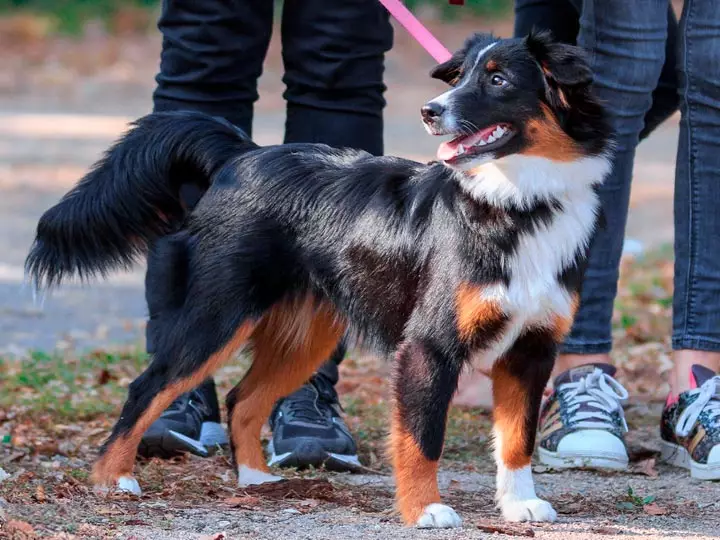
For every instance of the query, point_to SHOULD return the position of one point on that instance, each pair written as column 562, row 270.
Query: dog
column 478, row 254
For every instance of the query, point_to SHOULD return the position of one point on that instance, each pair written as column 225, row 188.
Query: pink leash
column 417, row 30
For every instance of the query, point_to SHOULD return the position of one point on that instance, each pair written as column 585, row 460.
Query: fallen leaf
column 20, row 530
column 40, row 494
column 247, row 500
column 86, row 529
column 504, row 528
column 654, row 509
column 605, row 530
column 109, row 511
column 217, row 536
column 104, row 377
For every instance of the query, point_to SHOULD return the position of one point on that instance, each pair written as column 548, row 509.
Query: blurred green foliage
column 70, row 16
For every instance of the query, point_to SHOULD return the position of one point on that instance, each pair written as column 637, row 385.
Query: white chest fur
column 534, row 295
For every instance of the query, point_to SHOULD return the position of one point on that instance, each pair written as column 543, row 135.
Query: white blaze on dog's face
column 517, row 97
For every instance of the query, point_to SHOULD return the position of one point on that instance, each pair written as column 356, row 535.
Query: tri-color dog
column 478, row 254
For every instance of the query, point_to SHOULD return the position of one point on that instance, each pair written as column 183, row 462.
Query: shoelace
column 708, row 398
column 599, row 391
column 313, row 402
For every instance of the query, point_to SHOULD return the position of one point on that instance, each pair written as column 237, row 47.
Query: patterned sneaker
column 582, row 422
column 190, row 424
column 690, row 427
column 309, row 431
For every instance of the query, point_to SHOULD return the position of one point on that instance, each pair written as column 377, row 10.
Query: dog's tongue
column 448, row 149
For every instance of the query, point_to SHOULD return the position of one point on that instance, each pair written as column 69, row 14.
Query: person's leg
column 690, row 427
column 665, row 100
column 334, row 62
column 626, row 46
column 561, row 17
column 696, row 317
column 212, row 56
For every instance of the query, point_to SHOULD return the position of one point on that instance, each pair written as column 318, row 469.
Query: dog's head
column 516, row 96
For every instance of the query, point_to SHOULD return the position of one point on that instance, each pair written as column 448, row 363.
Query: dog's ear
column 564, row 64
column 450, row 71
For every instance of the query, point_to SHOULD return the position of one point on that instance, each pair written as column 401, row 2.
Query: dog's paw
column 253, row 477
column 438, row 516
column 128, row 484
column 514, row 509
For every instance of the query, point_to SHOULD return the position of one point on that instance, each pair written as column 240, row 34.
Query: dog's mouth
column 480, row 142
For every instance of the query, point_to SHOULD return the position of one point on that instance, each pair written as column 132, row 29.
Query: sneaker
column 582, row 422
column 307, row 430
column 690, row 427
column 190, row 424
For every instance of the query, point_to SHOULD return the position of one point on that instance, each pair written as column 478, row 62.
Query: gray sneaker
column 308, row 430
column 582, row 423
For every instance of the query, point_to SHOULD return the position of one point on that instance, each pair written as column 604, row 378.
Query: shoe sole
column 676, row 455
column 310, row 454
column 170, row 443
column 558, row 460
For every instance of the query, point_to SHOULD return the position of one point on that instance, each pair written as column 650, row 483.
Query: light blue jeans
column 626, row 42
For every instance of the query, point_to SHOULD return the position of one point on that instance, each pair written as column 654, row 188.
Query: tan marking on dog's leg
column 561, row 326
column 279, row 367
column 475, row 313
column 119, row 457
column 415, row 475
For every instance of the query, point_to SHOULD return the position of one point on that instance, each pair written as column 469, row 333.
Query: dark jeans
column 645, row 64
column 333, row 53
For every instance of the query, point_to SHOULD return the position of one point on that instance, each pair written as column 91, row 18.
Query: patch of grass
column 68, row 386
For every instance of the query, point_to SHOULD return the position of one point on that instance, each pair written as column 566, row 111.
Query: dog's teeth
column 482, row 143
column 498, row 132
column 490, row 139
column 460, row 150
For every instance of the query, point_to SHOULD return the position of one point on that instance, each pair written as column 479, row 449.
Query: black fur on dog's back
column 131, row 196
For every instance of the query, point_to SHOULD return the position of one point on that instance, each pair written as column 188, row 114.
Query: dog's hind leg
column 424, row 383
column 289, row 343
column 519, row 378
column 181, row 363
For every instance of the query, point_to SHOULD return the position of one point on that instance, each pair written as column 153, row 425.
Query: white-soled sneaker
column 582, row 423
column 690, row 427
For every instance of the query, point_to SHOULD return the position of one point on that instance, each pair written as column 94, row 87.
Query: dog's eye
column 497, row 80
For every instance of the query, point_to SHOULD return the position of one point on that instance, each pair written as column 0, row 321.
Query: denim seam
column 695, row 343
column 689, row 289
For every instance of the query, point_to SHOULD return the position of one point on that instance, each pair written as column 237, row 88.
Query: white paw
column 514, row 509
column 129, row 485
column 438, row 516
column 253, row 477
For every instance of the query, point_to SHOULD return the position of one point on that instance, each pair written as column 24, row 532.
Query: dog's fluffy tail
column 131, row 196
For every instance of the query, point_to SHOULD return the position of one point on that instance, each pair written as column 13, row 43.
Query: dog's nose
column 431, row 111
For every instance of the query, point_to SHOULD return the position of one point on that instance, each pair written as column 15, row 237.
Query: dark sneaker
column 309, row 431
column 690, row 427
column 582, row 423
column 190, row 424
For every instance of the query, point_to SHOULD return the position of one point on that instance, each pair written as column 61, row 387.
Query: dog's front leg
column 424, row 383
column 519, row 378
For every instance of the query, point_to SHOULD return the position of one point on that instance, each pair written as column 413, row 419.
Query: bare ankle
column 681, row 379
column 565, row 362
